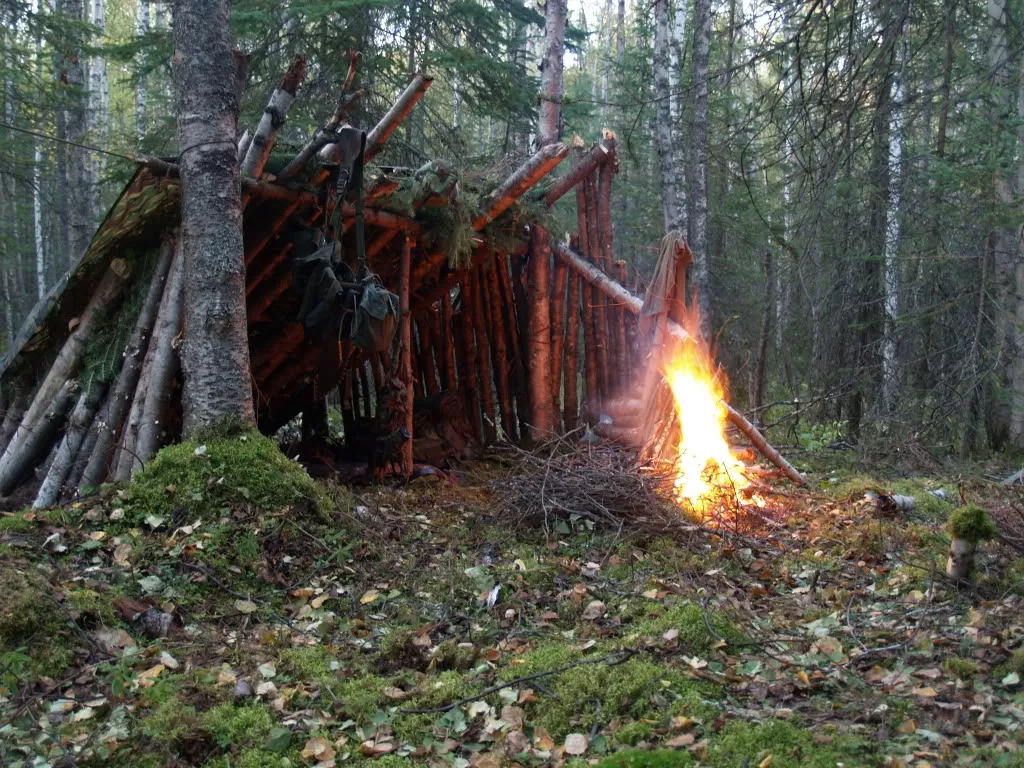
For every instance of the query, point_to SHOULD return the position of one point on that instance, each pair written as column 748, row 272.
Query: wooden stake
column 605, row 373
column 447, row 345
column 557, row 338
column 483, row 354
column 522, row 320
column 571, row 407
column 428, row 367
column 499, row 348
column 606, row 239
column 405, row 350
column 468, row 369
column 623, row 359
column 64, row 369
column 539, row 339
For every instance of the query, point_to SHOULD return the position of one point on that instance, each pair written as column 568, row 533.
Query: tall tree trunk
column 672, row 214
column 99, row 101
column 551, row 87
column 37, row 182
column 1017, row 373
column 677, row 103
column 698, row 176
column 142, row 89
column 215, row 352
column 890, row 380
column 1004, row 248
column 77, row 186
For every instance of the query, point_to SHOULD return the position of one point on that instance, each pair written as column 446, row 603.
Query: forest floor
column 365, row 632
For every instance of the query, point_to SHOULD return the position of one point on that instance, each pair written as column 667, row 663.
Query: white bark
column 698, row 177
column 457, row 88
column 1017, row 414
column 99, row 101
column 892, row 239
column 37, row 181
column 663, row 133
column 142, row 90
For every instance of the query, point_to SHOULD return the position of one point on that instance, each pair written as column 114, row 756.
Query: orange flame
column 707, row 474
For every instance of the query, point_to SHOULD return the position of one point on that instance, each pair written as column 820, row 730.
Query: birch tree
column 698, row 176
column 672, row 214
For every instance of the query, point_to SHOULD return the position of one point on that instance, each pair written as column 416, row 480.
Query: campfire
column 707, row 473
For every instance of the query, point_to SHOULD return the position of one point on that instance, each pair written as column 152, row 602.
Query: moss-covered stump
column 205, row 475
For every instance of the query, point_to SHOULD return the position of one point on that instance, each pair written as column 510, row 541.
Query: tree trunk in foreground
column 551, row 88
column 215, row 352
column 698, row 176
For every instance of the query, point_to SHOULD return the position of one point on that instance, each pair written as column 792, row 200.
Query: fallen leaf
column 318, row 601
column 369, row 596
column 245, row 606
column 926, row 692
column 147, row 679
column 373, row 748
column 907, row 726
column 514, row 716
column 575, row 744
column 168, row 661
column 684, row 740
column 542, row 739
column 267, row 669
column 318, row 748
column 594, row 611
column 396, row 693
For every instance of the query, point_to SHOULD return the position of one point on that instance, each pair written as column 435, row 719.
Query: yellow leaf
column 316, row 602
column 766, row 762
column 907, row 726
column 542, row 739
column 318, row 748
column 927, row 692
column 369, row 596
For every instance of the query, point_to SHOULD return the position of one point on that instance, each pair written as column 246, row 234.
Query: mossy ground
column 829, row 640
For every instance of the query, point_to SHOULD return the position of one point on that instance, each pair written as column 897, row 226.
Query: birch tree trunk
column 215, row 352
column 699, row 161
column 678, row 102
column 99, row 100
column 37, row 180
column 672, row 215
column 551, row 87
column 1017, row 413
column 890, row 277
column 142, row 89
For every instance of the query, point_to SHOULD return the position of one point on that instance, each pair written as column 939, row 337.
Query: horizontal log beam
column 262, row 189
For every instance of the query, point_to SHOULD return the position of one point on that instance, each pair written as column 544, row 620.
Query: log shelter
column 508, row 334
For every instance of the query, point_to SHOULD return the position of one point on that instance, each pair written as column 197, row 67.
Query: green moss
column 788, row 745
column 542, row 658
column 207, row 475
column 961, row 668
column 89, row 602
column 659, row 758
column 973, row 524
column 688, row 619
column 172, row 721
column 308, row 663
column 237, row 726
column 16, row 524
column 361, row 697
column 623, row 690
column 26, row 607
column 442, row 689
column 1013, row 664
column 634, row 733
column 254, row 757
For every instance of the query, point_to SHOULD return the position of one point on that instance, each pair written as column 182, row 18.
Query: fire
column 708, row 474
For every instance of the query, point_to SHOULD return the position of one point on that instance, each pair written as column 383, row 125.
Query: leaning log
column 74, row 434
column 535, row 169
column 272, row 119
column 499, row 347
column 12, row 418
column 65, row 367
column 111, row 418
column 162, row 363
column 586, row 165
column 36, row 444
column 377, row 137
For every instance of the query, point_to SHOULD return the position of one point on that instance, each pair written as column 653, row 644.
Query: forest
column 477, row 383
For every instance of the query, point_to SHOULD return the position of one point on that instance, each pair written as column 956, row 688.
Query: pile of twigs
column 570, row 480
